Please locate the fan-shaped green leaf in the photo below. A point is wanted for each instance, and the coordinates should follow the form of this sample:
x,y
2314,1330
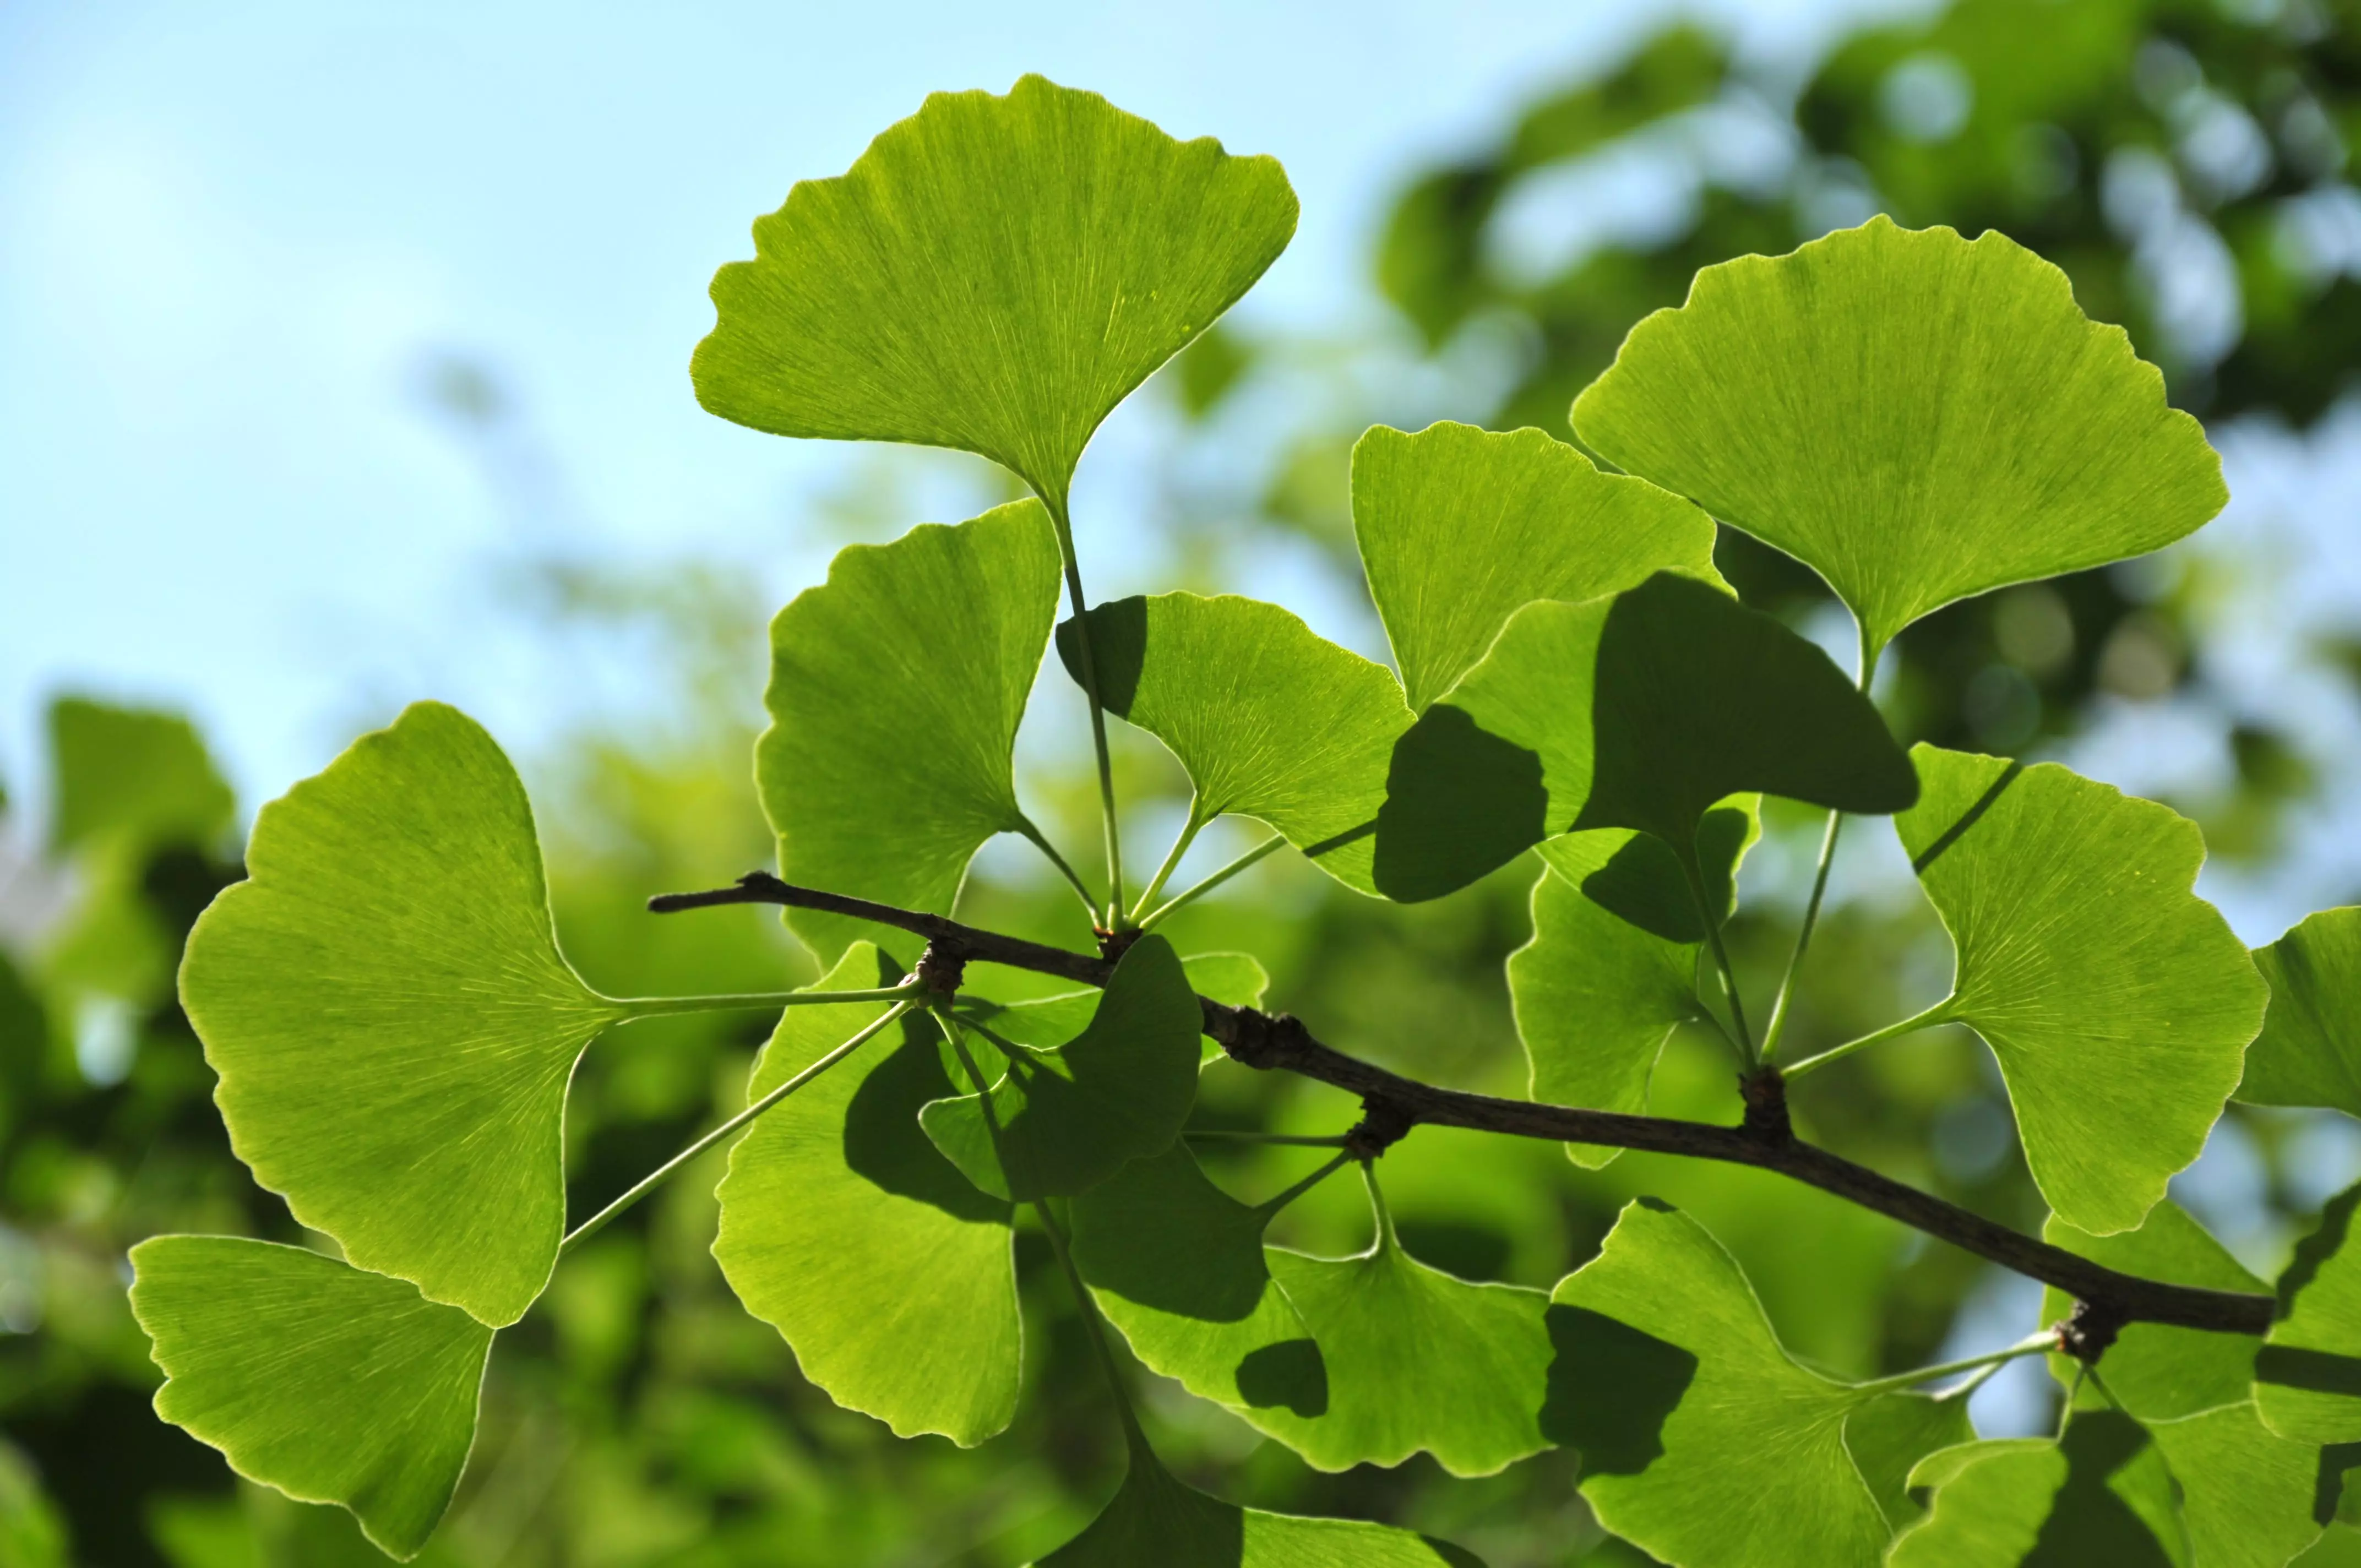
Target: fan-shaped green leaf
x,y
897,687
1154,1522
1063,1120
392,1021
1702,1440
1917,417
1639,710
1460,527
2100,1495
1270,720
890,1275
1416,1360
2118,1002
1612,969
994,274
2246,1493
2307,1374
2310,1050
332,1384
1890,1435
1177,1264
1235,979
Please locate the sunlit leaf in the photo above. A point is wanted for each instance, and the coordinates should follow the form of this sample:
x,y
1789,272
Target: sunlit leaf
x,y
2100,1495
2118,1002
392,1021
1612,969
1887,1437
1702,1440
1060,1121
1460,527
2307,1374
1639,710
130,774
1270,720
2310,1050
2247,1496
332,1384
897,687
1416,1360
994,274
1915,416
1177,1264
889,1275
1154,1522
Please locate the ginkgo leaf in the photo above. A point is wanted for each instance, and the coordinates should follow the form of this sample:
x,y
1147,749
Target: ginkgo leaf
x,y
1177,1265
1702,1440
1270,720
1154,1522
889,1275
1612,969
2308,1372
994,274
1235,979
131,776
1060,1121
897,687
1460,527
2310,1050
2103,1494
1887,1437
1915,416
2118,1002
1637,710
330,1383
2246,1493
1416,1359
392,1021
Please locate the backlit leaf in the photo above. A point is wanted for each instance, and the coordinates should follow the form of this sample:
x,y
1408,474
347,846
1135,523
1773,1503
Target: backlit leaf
x,y
897,687
2118,1002
1270,720
1062,1120
130,775
1612,969
994,274
889,1275
1177,1264
1460,527
1915,416
392,1021
2310,1050
2307,1374
1702,1440
332,1384
1639,710
2100,1495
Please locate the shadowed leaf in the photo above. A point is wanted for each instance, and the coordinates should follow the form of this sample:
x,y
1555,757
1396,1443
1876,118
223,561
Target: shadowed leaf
x,y
2310,1050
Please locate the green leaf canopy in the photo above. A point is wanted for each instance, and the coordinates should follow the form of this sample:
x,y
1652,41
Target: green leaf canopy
x,y
1612,969
1702,1440
1060,1121
994,274
1154,1522
1460,527
392,1021
1917,417
2118,1002
1270,720
897,687
332,1384
1638,710
2307,1374
889,1275
2310,1050
2103,1494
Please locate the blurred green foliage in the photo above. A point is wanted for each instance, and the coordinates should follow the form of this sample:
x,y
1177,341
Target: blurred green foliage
x,y
2183,162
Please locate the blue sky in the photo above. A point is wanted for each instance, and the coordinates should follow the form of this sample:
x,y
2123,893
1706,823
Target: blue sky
x,y
231,235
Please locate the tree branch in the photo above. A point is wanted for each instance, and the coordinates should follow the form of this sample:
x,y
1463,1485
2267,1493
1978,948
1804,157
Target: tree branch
x,y
1280,1042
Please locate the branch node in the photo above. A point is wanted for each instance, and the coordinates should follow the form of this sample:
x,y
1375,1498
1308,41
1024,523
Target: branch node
x,y
1765,1092
1383,1124
1112,945
2089,1329
941,969
1265,1040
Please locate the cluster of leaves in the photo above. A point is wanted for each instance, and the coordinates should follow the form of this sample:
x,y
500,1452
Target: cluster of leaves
x,y
1916,417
